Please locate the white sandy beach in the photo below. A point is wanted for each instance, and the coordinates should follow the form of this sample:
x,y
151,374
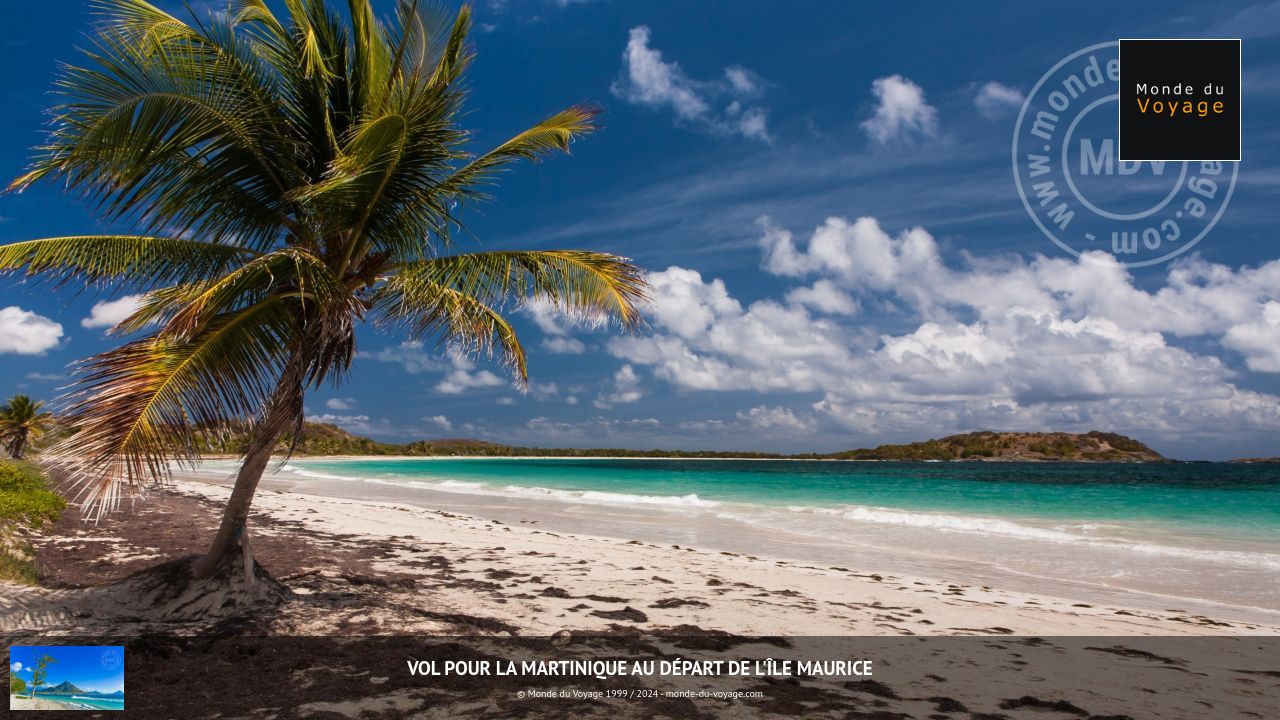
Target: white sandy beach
x,y
513,568
24,702
541,580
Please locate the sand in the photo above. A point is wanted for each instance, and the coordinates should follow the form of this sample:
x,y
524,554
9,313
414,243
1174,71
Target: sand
x,y
411,580
429,568
26,703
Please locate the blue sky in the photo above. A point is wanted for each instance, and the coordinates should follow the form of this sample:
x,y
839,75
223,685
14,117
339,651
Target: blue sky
x,y
80,665
824,197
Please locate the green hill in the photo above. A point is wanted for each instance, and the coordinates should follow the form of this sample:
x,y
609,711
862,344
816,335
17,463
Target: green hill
x,y
327,439
988,445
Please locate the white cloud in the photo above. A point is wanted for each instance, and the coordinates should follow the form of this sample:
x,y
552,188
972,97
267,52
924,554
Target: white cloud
x,y
25,333
719,107
1258,339
775,418
564,346
460,372
464,376
742,80
48,377
110,313
626,389
995,101
544,391
440,421
340,403
355,423
901,111
597,430
556,323
411,355
506,400
1049,343
16,667
824,296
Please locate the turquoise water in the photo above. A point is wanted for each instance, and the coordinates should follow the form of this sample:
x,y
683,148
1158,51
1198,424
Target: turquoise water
x,y
1240,502
91,702
1174,533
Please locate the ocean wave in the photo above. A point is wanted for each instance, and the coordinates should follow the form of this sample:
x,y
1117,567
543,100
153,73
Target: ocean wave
x,y
1084,533
972,524
610,498
594,497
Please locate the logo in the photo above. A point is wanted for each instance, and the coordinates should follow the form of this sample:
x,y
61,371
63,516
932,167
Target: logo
x,y
1082,196
111,658
1180,100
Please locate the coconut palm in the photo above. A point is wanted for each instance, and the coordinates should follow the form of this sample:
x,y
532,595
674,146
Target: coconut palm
x,y
21,423
284,178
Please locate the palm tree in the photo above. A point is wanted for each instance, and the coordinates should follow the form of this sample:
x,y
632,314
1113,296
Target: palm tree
x,y
22,422
283,180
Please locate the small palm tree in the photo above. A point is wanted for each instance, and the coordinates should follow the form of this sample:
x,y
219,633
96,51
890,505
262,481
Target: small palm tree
x,y
285,179
21,423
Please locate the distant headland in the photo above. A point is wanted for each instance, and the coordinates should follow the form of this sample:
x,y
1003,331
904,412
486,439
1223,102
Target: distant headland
x,y
320,439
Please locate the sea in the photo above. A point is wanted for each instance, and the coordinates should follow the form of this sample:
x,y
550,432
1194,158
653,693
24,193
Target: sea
x,y
1203,531
93,703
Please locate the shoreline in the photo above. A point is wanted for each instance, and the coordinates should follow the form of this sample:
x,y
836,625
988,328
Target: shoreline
x,y
1157,565
1032,461
23,702
377,565
940,575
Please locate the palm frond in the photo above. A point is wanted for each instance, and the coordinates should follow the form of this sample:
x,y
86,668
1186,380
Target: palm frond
x,y
143,405
289,272
455,319
126,261
582,284
174,129
460,297
555,133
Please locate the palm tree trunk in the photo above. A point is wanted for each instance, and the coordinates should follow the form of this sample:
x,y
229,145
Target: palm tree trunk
x,y
281,412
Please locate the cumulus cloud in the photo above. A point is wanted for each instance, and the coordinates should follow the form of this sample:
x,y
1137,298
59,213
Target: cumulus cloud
x,y
597,430
440,421
720,107
110,313
995,101
340,403
412,355
464,376
824,296
16,667
556,324
460,371
564,346
23,332
901,111
1258,339
995,342
626,389
764,417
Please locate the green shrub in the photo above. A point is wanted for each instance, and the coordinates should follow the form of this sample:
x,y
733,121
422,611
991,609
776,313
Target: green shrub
x,y
25,503
16,684
24,500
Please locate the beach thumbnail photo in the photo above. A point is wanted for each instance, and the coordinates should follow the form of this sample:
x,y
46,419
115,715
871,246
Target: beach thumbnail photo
x,y
66,677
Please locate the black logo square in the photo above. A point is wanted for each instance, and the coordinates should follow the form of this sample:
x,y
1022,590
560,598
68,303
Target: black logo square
x,y
1179,100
